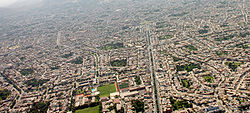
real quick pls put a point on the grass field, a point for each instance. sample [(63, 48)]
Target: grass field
[(89, 110), (106, 90)]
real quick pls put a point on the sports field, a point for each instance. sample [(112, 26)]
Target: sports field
[(106, 90)]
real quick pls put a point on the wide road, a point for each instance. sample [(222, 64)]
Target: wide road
[(152, 68)]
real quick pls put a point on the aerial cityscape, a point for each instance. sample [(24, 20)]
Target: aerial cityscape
[(125, 56)]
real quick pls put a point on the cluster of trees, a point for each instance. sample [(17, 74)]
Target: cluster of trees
[(191, 48), (80, 91), (78, 60), (119, 63), (113, 46), (138, 106), (4, 94), (13, 103), (125, 27), (188, 67), (233, 65), (162, 25), (202, 31), (242, 46), (176, 105), (27, 71), (72, 103), (22, 58), (224, 38), (224, 25), (161, 66), (208, 78), (221, 53), (137, 80), (179, 14), (35, 83), (205, 26), (244, 34), (244, 107), (39, 107), (186, 83), (176, 59), (67, 55), (162, 52), (54, 67), (232, 36), (163, 37)]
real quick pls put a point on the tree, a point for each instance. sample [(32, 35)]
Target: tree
[(4, 94), (138, 105), (138, 80), (39, 107)]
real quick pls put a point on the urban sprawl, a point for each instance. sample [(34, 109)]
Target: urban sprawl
[(126, 56)]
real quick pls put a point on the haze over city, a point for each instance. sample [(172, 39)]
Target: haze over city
[(4, 3), (124, 56)]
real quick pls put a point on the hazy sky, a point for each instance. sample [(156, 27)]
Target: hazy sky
[(6, 2)]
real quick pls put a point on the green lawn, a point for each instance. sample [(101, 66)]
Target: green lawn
[(89, 110), (106, 90)]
